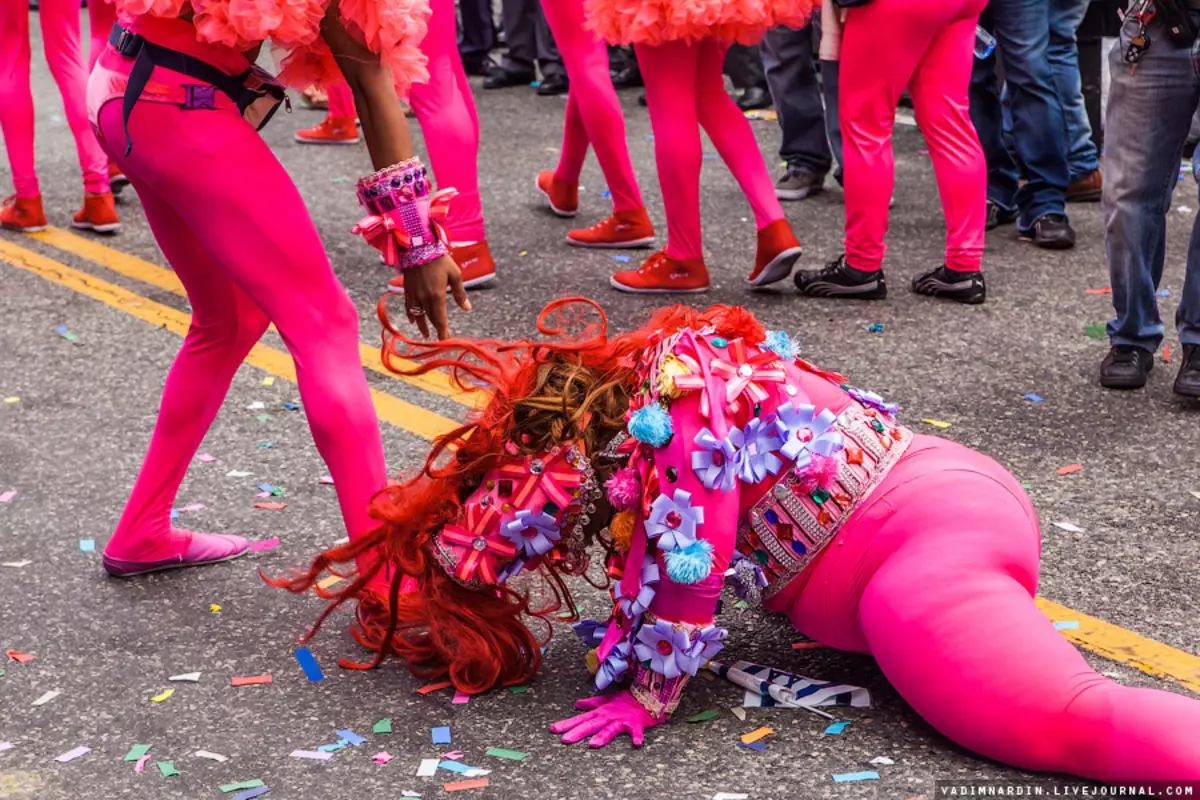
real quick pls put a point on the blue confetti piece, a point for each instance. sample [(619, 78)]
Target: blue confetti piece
[(875, 328), (535, 84), (836, 728), (333, 748), (1069, 625), (291, 406), (606, 193), (758, 747), (351, 737), (309, 665), (249, 794), (454, 766), (852, 777), (650, 136), (174, 513), (1034, 398), (710, 156), (265, 487), (60, 330), (87, 545), (622, 259), (1163, 293), (441, 735), (265, 445)]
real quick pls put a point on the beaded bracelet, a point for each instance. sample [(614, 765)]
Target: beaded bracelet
[(404, 214)]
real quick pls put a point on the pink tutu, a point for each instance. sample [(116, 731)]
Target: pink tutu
[(656, 21), (393, 29)]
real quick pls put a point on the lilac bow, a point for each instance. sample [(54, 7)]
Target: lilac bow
[(805, 432), (665, 647), (715, 463), (747, 575), (510, 570), (673, 521), (756, 458), (709, 641), (590, 632), (534, 534), (637, 605), (874, 401), (611, 668)]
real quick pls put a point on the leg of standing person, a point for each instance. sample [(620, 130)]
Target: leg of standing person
[(555, 80), (24, 211), (102, 15), (987, 116), (788, 63), (1083, 160), (830, 78), (518, 67), (744, 66), (1140, 175), (478, 35)]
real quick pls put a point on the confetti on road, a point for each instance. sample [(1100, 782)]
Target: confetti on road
[(1163, 293), (1195, 495), (1167, 353), (269, 380), (836, 728), (11, 400), (853, 777), (137, 751), (525, 689), (312, 670), (705, 716), (18, 564), (19, 657), (6, 497), (252, 680), (739, 712), (211, 756), (205, 458), (265, 544), (237, 787), (433, 687), (1096, 332), (351, 737), (937, 423), (754, 736), (1068, 527), (47, 697), (730, 796), (382, 758), (87, 545), (271, 506), (875, 328), (477, 783), (191, 677), (5, 746), (292, 406), (461, 698), (315, 755), (167, 769), (1069, 469), (214, 608), (332, 580), (428, 768), (511, 755), (162, 698), (71, 755), (383, 726), (454, 755), (807, 645), (882, 761), (523, 253), (256, 406), (140, 766), (1105, 290), (621, 259), (325, 480), (441, 735), (758, 747), (237, 473), (250, 794), (1067, 625), (1034, 398), (62, 331)]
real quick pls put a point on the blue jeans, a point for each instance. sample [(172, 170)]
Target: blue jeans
[(1149, 115), (1065, 17), (1022, 31)]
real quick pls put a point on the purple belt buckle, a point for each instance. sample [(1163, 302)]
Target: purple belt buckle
[(199, 96)]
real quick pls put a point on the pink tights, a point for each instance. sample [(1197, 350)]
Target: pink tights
[(101, 16), (445, 109), (685, 90), (247, 259), (927, 45), (593, 111), (60, 37), (941, 594)]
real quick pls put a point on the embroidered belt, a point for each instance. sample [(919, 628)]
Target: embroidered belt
[(787, 529)]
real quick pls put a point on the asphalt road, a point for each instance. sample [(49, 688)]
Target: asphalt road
[(71, 443)]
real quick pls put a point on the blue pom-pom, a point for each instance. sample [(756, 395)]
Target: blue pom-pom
[(651, 424), (691, 564), (781, 345)]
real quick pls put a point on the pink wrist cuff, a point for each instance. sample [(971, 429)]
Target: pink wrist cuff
[(404, 215), (658, 694)]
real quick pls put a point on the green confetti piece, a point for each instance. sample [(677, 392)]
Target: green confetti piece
[(741, 604), (234, 787), (383, 726), (511, 755), (705, 716), (137, 751), (1096, 332), (263, 417), (1027, 487), (167, 769), (339, 179), (518, 689)]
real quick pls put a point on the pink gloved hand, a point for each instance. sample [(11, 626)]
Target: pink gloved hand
[(608, 716)]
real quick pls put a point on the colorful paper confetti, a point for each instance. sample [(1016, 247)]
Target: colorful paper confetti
[(211, 756), (1068, 527), (1096, 332), (205, 458), (19, 657), (351, 737), (836, 729), (269, 380), (265, 544), (162, 698), (47, 697), (17, 564), (937, 423), (882, 761), (511, 755), (271, 506), (1033, 398), (759, 747), (71, 755), (167, 769), (525, 689), (705, 716), (137, 751), (314, 755), (6, 497), (461, 698), (382, 758), (427, 768), (477, 783), (214, 608), (621, 259), (441, 735), (312, 670), (237, 473), (250, 794), (852, 777), (1067, 625), (87, 545), (11, 400), (1069, 469), (1105, 290), (237, 787), (331, 580), (140, 766), (433, 687), (875, 328), (383, 726), (754, 736), (252, 680)]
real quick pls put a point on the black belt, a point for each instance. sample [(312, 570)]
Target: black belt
[(148, 55)]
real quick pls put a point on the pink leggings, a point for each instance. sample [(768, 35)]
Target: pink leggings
[(685, 90), (445, 109), (248, 254), (927, 45), (594, 114), (941, 594), (60, 37), (101, 16)]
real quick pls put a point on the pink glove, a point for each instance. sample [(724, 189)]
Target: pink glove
[(608, 716)]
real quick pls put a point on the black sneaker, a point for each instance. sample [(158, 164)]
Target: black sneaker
[(799, 183), (1126, 367), (1050, 232), (1187, 382), (963, 287), (500, 78), (997, 216), (755, 97), (553, 86), (839, 279)]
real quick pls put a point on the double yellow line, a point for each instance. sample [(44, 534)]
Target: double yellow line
[(1092, 634)]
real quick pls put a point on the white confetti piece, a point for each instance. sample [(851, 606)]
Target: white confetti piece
[(408, 793), (428, 768), (882, 761), (71, 755), (255, 406), (268, 381), (205, 458), (211, 756), (1068, 527), (739, 712), (315, 755), (730, 796), (237, 473), (5, 746), (47, 697), (187, 676), (17, 564), (1195, 495)]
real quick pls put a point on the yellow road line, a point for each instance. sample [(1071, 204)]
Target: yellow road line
[(402, 414), (1102, 638), (140, 270)]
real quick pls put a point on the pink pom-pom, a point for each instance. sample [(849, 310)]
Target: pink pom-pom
[(821, 473), (624, 489)]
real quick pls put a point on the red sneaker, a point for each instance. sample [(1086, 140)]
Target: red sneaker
[(623, 229), (116, 179), (23, 214), (331, 130), (778, 250), (563, 197), (98, 214), (661, 274), (475, 261)]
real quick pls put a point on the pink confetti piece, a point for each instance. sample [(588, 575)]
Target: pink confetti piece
[(7, 496), (325, 480), (192, 507), (382, 758), (71, 755), (453, 755), (266, 544), (140, 766), (461, 698), (263, 494), (205, 458)]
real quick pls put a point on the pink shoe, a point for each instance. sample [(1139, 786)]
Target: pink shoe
[(202, 548)]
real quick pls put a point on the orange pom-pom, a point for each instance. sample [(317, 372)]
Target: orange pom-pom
[(621, 530)]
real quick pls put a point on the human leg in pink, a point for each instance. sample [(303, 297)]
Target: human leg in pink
[(102, 14), (341, 101), (731, 134), (670, 71), (593, 112), (445, 109), (16, 100), (222, 244)]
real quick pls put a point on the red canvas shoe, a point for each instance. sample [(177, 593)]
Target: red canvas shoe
[(23, 214), (661, 274), (99, 214), (778, 250), (116, 179), (331, 130), (475, 261), (623, 229), (563, 197)]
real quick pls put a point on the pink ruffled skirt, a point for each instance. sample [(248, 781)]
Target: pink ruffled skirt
[(653, 22)]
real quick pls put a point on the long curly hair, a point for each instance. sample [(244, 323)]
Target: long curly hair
[(574, 385)]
